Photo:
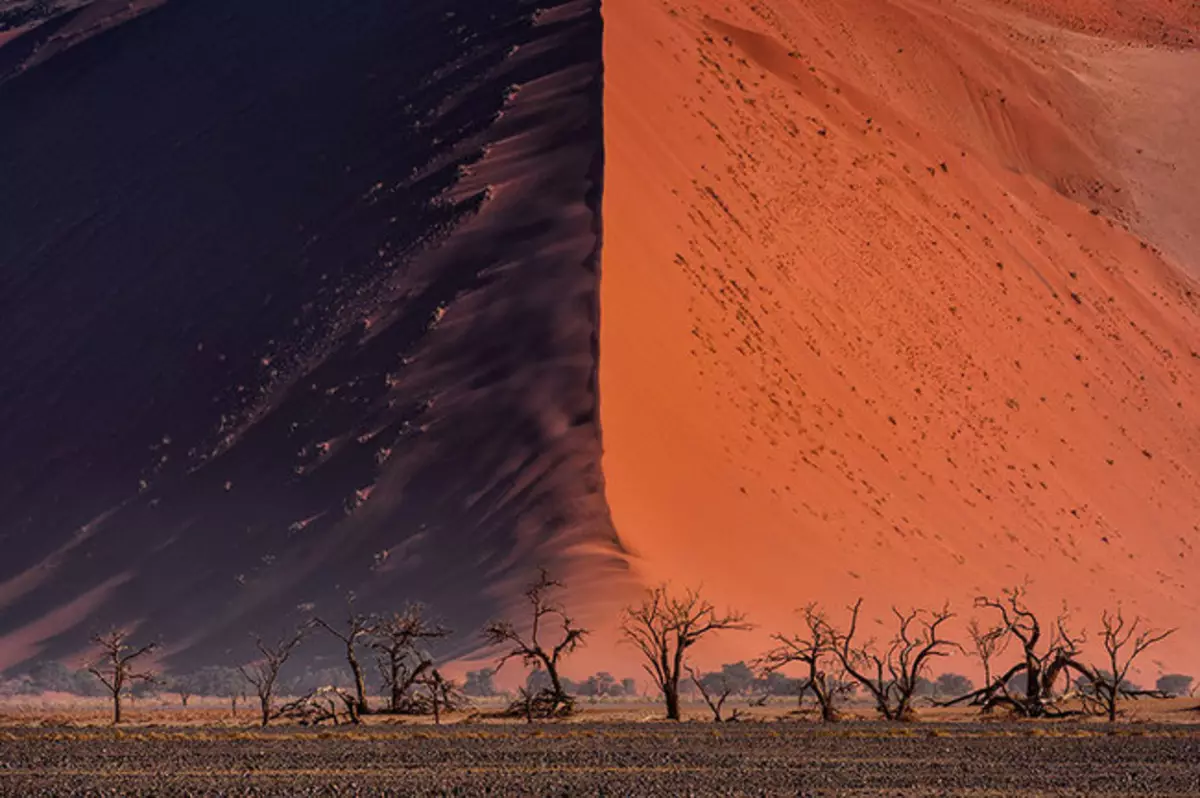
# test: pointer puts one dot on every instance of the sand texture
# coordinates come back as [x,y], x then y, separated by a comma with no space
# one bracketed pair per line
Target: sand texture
[900,301]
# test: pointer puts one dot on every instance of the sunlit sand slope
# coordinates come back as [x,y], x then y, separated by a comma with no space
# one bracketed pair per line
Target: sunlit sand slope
[900,301]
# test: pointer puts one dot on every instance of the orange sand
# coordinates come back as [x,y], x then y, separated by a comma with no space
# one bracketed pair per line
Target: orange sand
[896,303]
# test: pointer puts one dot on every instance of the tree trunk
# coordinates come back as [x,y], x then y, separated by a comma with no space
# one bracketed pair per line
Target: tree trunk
[360,685]
[1033,689]
[397,695]
[116,708]
[265,702]
[671,693]
[825,702]
[560,695]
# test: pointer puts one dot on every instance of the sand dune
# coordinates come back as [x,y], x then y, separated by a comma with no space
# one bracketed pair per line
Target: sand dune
[290,311]
[900,301]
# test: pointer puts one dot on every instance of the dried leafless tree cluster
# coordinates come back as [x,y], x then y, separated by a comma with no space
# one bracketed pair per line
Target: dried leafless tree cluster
[1037,683]
[1048,654]
[1045,671]
[838,659]
[400,643]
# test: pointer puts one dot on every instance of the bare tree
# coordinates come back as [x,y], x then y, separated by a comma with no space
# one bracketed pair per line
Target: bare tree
[525,704]
[533,650]
[398,640]
[1124,642]
[115,667]
[893,676]
[351,633]
[664,627]
[815,649]
[444,695]
[986,644]
[715,689]
[1047,657]
[182,687]
[264,671]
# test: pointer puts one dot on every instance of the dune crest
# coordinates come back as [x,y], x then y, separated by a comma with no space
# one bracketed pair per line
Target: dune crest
[900,301]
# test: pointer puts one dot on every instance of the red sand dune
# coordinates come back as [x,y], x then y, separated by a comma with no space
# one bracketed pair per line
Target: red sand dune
[900,300]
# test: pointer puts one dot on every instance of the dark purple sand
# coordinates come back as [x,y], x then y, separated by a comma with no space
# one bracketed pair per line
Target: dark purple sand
[264,340]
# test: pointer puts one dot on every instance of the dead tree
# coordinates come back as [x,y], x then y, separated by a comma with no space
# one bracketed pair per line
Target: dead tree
[1047,657]
[533,650]
[715,697]
[264,671]
[115,667]
[182,687]
[986,644]
[525,704]
[398,641]
[1124,642]
[444,695]
[319,705]
[351,633]
[893,676]
[663,627]
[814,649]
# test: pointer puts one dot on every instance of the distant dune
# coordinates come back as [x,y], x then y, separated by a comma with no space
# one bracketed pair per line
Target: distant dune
[900,300]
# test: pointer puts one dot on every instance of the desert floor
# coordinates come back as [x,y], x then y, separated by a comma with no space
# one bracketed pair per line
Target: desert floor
[619,748]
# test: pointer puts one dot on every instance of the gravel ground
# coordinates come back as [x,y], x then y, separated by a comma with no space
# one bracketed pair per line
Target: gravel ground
[609,759]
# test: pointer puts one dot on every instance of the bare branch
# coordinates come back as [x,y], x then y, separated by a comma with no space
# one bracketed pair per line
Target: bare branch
[264,672]
[814,648]
[355,628]
[893,675]
[400,642]
[664,626]
[115,666]
[1124,641]
[530,649]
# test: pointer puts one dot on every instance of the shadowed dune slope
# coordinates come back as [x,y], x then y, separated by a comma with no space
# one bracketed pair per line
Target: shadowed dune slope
[295,300]
[900,301]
